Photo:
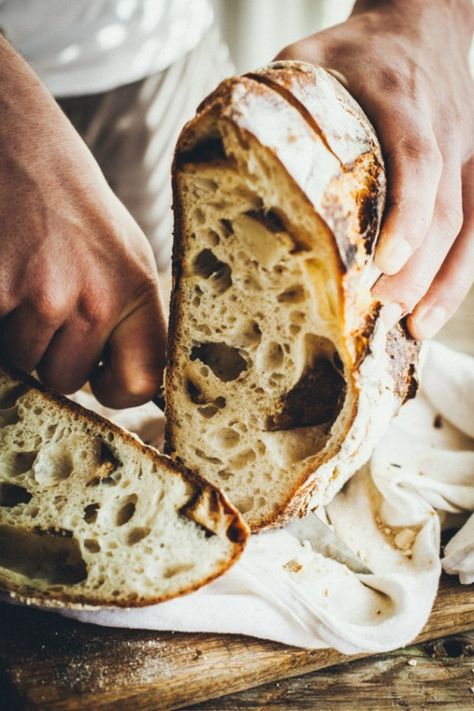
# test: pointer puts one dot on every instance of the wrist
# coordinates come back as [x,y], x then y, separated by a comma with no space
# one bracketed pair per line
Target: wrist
[443,14]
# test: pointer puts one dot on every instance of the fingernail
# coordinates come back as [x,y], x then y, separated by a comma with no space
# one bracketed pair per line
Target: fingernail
[429,323]
[391,314]
[392,255]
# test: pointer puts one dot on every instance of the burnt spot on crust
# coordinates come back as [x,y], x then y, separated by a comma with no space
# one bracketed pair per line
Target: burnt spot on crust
[403,353]
[438,422]
[363,337]
[315,399]
[356,231]
[212,515]
[369,212]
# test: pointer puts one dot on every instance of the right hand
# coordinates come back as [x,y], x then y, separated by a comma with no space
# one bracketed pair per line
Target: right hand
[78,281]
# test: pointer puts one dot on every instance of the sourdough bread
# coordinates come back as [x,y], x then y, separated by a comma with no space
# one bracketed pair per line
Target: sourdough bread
[91,516]
[280,376]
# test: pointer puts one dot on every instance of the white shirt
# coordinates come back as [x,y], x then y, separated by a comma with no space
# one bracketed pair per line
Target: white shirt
[87,46]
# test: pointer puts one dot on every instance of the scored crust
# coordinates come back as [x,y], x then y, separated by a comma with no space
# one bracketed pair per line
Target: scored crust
[91,516]
[280,173]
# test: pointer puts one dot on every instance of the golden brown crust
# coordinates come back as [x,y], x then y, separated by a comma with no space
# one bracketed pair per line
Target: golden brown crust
[348,134]
[403,352]
[236,529]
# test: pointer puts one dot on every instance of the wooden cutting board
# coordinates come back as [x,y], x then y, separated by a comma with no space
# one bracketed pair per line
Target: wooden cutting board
[50,663]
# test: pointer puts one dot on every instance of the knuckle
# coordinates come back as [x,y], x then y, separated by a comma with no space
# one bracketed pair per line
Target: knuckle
[450,219]
[390,79]
[413,292]
[65,383]
[421,147]
[142,386]
[95,310]
[50,307]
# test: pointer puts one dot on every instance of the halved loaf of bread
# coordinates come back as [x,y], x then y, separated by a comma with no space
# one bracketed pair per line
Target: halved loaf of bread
[91,516]
[280,377]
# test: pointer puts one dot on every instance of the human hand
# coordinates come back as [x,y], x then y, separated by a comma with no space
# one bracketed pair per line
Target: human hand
[406,63]
[78,282]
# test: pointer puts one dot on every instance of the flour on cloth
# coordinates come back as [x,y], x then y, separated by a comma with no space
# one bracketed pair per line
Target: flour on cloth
[389,513]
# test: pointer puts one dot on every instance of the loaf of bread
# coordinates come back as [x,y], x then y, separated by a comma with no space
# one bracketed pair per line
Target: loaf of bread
[91,516]
[280,376]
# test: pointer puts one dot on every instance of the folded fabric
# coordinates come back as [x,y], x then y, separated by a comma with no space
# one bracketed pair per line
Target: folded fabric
[388,514]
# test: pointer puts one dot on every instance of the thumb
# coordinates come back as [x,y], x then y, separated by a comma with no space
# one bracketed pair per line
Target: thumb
[134,361]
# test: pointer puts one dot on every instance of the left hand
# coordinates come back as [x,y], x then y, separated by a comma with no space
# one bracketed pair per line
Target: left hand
[405,62]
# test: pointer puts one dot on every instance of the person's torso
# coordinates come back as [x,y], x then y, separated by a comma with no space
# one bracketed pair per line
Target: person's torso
[84,46]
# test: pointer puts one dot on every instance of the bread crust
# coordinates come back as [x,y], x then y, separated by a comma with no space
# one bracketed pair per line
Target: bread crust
[351,204]
[237,530]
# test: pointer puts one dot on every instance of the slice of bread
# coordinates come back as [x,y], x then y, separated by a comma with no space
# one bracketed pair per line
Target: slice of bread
[91,516]
[280,377]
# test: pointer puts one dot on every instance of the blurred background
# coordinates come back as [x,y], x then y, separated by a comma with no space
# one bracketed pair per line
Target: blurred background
[256,30]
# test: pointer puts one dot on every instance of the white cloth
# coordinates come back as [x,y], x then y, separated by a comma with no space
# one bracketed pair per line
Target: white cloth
[83,47]
[283,590]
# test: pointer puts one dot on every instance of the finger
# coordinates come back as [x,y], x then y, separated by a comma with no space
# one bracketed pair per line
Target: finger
[455,277]
[414,167]
[25,335]
[72,356]
[133,371]
[409,286]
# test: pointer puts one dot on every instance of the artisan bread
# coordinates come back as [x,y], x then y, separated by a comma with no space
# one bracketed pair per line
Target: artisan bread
[91,516]
[280,376]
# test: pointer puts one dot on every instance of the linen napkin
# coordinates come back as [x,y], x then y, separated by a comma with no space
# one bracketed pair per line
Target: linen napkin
[390,513]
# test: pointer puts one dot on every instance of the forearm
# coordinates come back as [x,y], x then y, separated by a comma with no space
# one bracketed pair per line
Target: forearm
[455,14]
[34,132]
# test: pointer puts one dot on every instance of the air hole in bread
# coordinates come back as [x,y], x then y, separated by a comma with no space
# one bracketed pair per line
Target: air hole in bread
[242,459]
[244,504]
[208,411]
[249,334]
[317,397]
[212,238]
[226,227]
[136,535]
[92,545]
[224,474]
[204,152]
[127,510]
[225,361]
[204,329]
[90,513]
[206,457]
[10,394]
[226,438]
[12,495]
[207,266]
[270,357]
[53,464]
[195,393]
[298,317]
[268,218]
[42,555]
[292,295]
[206,184]
[16,463]
[173,570]
[50,430]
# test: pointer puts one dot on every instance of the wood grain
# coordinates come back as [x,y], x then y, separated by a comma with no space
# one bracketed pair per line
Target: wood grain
[54,664]
[434,675]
